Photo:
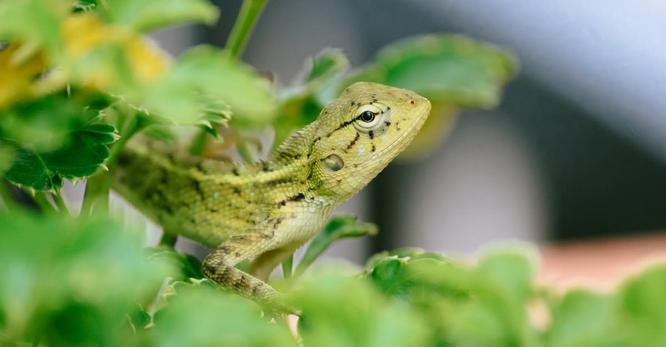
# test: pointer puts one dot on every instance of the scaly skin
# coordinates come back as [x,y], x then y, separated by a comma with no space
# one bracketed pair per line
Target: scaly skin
[264,211]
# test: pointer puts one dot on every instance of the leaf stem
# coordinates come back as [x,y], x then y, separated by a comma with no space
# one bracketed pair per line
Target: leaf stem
[287,266]
[168,239]
[244,25]
[60,202]
[7,197]
[42,200]
[240,34]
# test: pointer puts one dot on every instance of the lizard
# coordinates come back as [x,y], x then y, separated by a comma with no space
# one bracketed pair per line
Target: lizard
[264,211]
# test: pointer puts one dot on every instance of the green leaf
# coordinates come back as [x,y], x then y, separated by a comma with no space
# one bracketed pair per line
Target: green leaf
[336,229]
[443,68]
[35,22]
[205,316]
[71,281]
[510,271]
[582,318]
[187,266]
[146,15]
[642,303]
[342,311]
[300,104]
[205,81]
[81,157]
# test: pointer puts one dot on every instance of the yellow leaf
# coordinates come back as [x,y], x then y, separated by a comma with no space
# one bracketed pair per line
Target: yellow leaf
[16,75]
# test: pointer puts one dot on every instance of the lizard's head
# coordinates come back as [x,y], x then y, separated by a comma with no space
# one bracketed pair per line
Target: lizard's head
[359,133]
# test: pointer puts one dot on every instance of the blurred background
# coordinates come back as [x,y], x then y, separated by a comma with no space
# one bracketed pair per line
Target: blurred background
[576,150]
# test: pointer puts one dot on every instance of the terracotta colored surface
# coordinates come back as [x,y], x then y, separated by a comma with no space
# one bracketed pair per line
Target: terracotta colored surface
[600,264]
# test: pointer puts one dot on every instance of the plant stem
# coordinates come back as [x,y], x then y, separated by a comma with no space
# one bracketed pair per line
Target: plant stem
[60,202]
[43,202]
[244,25]
[287,266]
[240,34]
[6,197]
[199,142]
[168,239]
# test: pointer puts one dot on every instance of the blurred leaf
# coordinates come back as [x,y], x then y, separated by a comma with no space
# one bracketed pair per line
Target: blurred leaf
[343,311]
[509,271]
[187,266]
[203,82]
[34,22]
[336,229]
[300,104]
[17,75]
[145,15]
[442,67]
[108,58]
[71,281]
[582,319]
[205,316]
[642,303]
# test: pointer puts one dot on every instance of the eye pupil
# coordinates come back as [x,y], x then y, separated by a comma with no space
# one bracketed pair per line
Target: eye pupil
[367,116]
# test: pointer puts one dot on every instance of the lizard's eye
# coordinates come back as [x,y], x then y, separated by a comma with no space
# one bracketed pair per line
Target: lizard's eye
[368,117]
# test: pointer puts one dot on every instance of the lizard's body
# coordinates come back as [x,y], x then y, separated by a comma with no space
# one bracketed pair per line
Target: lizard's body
[264,211]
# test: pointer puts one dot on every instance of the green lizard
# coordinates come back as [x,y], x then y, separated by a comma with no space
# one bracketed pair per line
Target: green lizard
[264,211]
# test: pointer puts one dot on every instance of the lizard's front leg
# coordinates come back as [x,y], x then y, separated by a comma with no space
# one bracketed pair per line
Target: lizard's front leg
[220,264]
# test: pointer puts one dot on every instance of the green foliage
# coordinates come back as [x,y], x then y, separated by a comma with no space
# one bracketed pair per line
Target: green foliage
[444,68]
[221,319]
[337,228]
[78,79]
[67,281]
[79,281]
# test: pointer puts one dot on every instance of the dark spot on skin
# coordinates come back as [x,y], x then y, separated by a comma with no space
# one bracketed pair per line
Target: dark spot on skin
[387,123]
[237,254]
[277,223]
[241,238]
[371,134]
[338,181]
[197,187]
[373,147]
[235,172]
[264,166]
[412,102]
[353,142]
[353,103]
[236,190]
[278,181]
[297,197]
